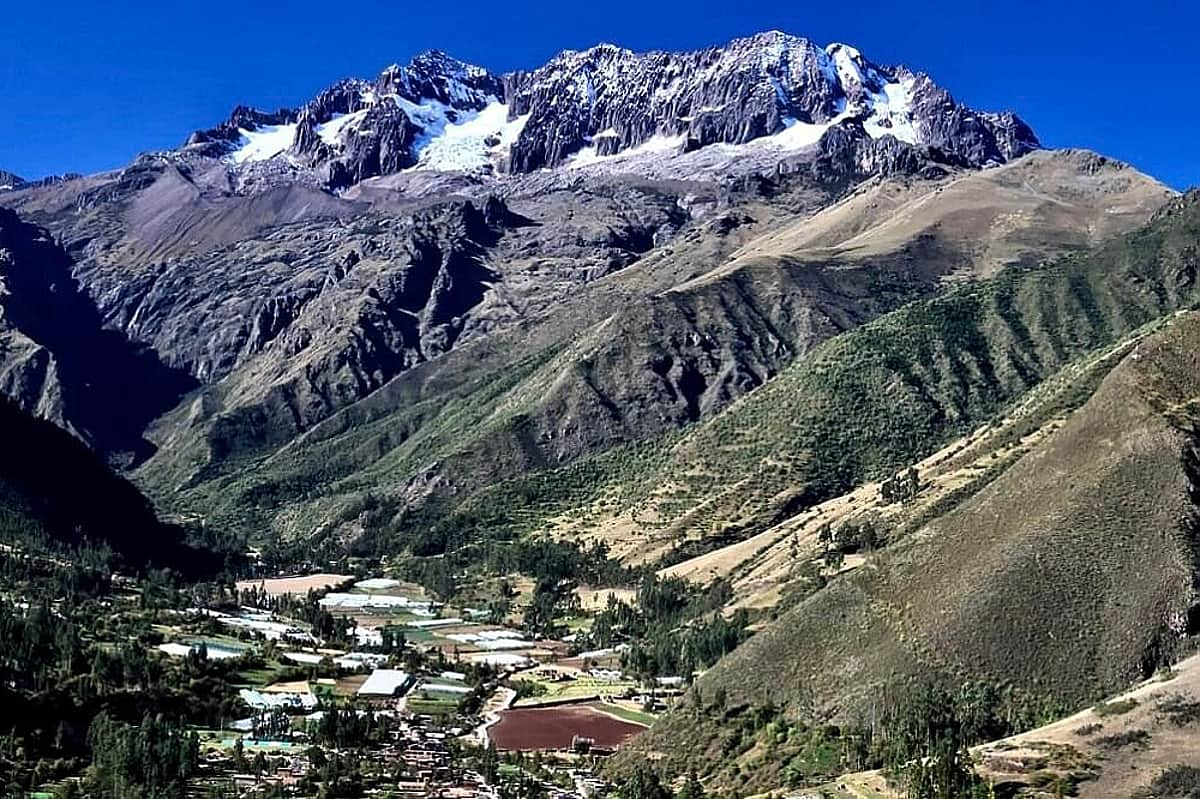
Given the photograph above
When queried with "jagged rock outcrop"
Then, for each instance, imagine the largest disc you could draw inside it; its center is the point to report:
(439, 113)
(10, 181)
(60, 363)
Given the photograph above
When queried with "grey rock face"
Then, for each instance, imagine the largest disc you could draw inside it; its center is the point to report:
(61, 363)
(382, 145)
(748, 89)
(975, 137)
(433, 75)
(731, 94)
(607, 100)
(9, 181)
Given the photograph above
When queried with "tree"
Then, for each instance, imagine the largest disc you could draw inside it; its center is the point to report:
(644, 783)
(834, 559)
(239, 754)
(926, 751)
(692, 789)
(490, 763)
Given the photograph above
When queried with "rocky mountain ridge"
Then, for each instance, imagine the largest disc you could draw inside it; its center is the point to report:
(440, 114)
(9, 181)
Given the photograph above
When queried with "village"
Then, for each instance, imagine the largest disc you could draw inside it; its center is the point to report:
(406, 695)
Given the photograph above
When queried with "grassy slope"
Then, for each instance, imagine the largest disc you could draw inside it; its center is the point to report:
(872, 400)
(1067, 576)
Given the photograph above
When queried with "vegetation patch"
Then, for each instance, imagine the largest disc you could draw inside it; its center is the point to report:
(1179, 710)
(1124, 740)
(1116, 708)
(1175, 782)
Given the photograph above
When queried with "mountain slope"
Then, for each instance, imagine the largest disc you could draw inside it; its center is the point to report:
(60, 362)
(422, 336)
(880, 397)
(1069, 575)
(665, 359)
(54, 491)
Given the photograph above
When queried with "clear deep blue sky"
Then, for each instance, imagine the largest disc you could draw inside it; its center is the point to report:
(86, 84)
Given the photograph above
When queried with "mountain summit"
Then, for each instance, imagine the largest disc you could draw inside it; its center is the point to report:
(771, 90)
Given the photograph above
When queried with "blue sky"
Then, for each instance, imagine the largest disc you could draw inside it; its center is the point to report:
(86, 85)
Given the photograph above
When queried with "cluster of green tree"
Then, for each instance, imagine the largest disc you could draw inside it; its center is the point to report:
(345, 728)
(520, 775)
(37, 562)
(672, 628)
(37, 647)
(924, 747)
(919, 734)
(900, 487)
(851, 537)
(65, 662)
(152, 760)
(340, 775)
(643, 782)
(686, 650)
(552, 598)
(545, 560)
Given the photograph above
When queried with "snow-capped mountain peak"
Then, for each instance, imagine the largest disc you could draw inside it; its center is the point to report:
(772, 89)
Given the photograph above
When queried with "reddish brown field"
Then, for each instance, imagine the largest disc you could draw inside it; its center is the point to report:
(555, 727)
(276, 586)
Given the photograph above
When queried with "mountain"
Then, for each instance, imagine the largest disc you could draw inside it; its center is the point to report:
(702, 308)
(278, 289)
(9, 181)
(1062, 558)
(55, 495)
(60, 362)
(771, 90)
(669, 340)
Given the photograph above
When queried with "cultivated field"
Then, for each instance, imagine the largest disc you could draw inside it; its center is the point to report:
(556, 727)
(301, 584)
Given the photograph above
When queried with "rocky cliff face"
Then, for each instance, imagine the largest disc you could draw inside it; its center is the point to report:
(9, 181)
(440, 114)
(608, 100)
(60, 363)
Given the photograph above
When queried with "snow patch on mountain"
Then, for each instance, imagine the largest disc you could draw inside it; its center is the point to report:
(796, 136)
(472, 142)
(892, 113)
(848, 72)
(654, 145)
(331, 131)
(264, 143)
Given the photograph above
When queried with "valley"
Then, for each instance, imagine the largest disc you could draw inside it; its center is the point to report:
(756, 420)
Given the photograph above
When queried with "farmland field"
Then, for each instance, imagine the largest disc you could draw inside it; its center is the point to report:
(278, 586)
(528, 729)
(584, 687)
(432, 703)
(628, 713)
